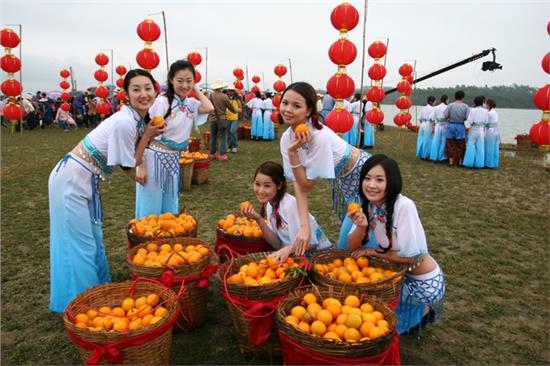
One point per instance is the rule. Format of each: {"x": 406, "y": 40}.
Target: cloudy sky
{"x": 260, "y": 34}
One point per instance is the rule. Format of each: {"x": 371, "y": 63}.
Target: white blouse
{"x": 439, "y": 112}
{"x": 427, "y": 113}
{"x": 492, "y": 116}
{"x": 267, "y": 104}
{"x": 319, "y": 157}
{"x": 478, "y": 116}
{"x": 255, "y": 103}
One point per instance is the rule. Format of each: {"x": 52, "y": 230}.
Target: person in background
{"x": 354, "y": 107}
{"x": 456, "y": 114}
{"x": 328, "y": 105}
{"x": 218, "y": 121}
{"x": 319, "y": 101}
{"x": 425, "y": 133}
{"x": 368, "y": 129}
{"x": 233, "y": 119}
{"x": 64, "y": 119}
{"x": 475, "y": 148}
{"x": 256, "y": 104}
{"x": 392, "y": 220}
{"x": 280, "y": 209}
{"x": 77, "y": 253}
{"x": 437, "y": 150}
{"x": 268, "y": 131}
{"x": 492, "y": 136}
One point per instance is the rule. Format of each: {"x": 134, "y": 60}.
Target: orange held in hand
{"x": 301, "y": 129}
{"x": 353, "y": 208}
{"x": 157, "y": 120}
{"x": 244, "y": 205}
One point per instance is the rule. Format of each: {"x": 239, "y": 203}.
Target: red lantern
{"x": 238, "y": 73}
{"x": 275, "y": 117}
{"x": 376, "y": 94}
{"x": 375, "y": 116}
{"x": 102, "y": 92}
{"x": 148, "y": 30}
{"x": 279, "y": 86}
{"x": 11, "y": 88}
{"x": 255, "y": 79}
{"x": 377, "y": 72}
{"x": 403, "y": 102}
{"x": 255, "y": 89}
{"x": 339, "y": 120}
{"x": 404, "y": 87}
{"x": 344, "y": 17}
{"x": 64, "y": 73}
{"x": 280, "y": 70}
{"x": 541, "y": 99}
{"x": 342, "y": 52}
{"x": 408, "y": 78}
{"x": 195, "y": 58}
{"x": 238, "y": 85}
{"x": 64, "y": 85}
{"x": 546, "y": 63}
{"x": 340, "y": 86}
{"x": 100, "y": 75}
{"x": 241, "y": 77}
{"x": 8, "y": 38}
{"x": 405, "y": 70}
{"x": 103, "y": 108}
{"x": 192, "y": 94}
{"x": 147, "y": 59}
{"x": 66, "y": 107}
{"x": 101, "y": 59}
{"x": 198, "y": 76}
{"x": 377, "y": 50}
{"x": 121, "y": 95}
{"x": 120, "y": 83}
{"x": 13, "y": 112}
{"x": 120, "y": 70}
{"x": 540, "y": 133}
{"x": 65, "y": 96}
{"x": 10, "y": 63}
{"x": 276, "y": 100}
{"x": 402, "y": 118}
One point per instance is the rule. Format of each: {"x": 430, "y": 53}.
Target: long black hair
{"x": 174, "y": 68}
{"x": 276, "y": 172}
{"x": 394, "y": 185}
{"x": 310, "y": 95}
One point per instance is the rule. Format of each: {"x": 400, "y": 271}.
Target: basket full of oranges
{"x": 370, "y": 275}
{"x": 163, "y": 226}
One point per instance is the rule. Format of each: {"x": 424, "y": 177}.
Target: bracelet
{"x": 296, "y": 166}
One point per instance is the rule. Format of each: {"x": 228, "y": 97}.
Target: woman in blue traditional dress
{"x": 157, "y": 190}
{"x": 268, "y": 127}
{"x": 393, "y": 221}
{"x": 368, "y": 129}
{"x": 318, "y": 154}
{"x": 492, "y": 137}
{"x": 354, "y": 107}
{"x": 77, "y": 254}
{"x": 474, "y": 157}
{"x": 256, "y": 128}
{"x": 425, "y": 132}
{"x": 437, "y": 149}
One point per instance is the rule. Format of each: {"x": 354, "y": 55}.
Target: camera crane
{"x": 486, "y": 66}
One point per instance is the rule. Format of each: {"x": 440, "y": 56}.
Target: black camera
{"x": 491, "y": 66}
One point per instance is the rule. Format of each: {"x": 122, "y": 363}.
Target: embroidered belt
{"x": 355, "y": 153}
{"x": 83, "y": 154}
{"x": 161, "y": 147}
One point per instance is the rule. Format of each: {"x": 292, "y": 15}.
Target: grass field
{"x": 488, "y": 229}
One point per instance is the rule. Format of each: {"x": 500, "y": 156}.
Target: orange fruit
{"x": 352, "y": 301}
{"x": 352, "y": 335}
{"x": 234, "y": 279}
{"x": 366, "y": 308}
{"x": 157, "y": 120}
{"x": 331, "y": 335}
{"x": 118, "y": 311}
{"x": 378, "y": 315}
{"x": 318, "y": 328}
{"x": 155, "y": 319}
{"x": 146, "y": 320}
{"x": 120, "y": 325}
{"x": 161, "y": 312}
{"x": 362, "y": 262}
{"x": 309, "y": 298}
{"x": 301, "y": 129}
{"x": 244, "y": 204}
{"x": 81, "y": 318}
{"x": 82, "y": 325}
{"x": 303, "y": 326}
{"x": 298, "y": 312}
{"x": 313, "y": 309}
{"x": 382, "y": 323}
{"x": 353, "y": 321}
{"x": 325, "y": 316}
{"x": 105, "y": 310}
{"x": 354, "y": 207}
{"x": 365, "y": 328}
{"x": 177, "y": 248}
{"x": 152, "y": 247}
{"x": 337, "y": 262}
{"x": 136, "y": 324}
{"x": 153, "y": 299}
{"x": 334, "y": 309}
{"x": 341, "y": 330}
{"x": 108, "y": 322}
{"x": 344, "y": 277}
{"x": 341, "y": 319}
{"x": 368, "y": 317}
{"x": 140, "y": 301}
{"x": 291, "y": 319}
{"x": 376, "y": 332}
{"x": 92, "y": 313}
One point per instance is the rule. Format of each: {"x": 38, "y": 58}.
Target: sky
{"x": 260, "y": 34}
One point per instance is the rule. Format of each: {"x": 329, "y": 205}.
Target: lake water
{"x": 511, "y": 122}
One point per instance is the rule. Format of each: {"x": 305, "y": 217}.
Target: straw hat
{"x": 230, "y": 87}
{"x": 218, "y": 85}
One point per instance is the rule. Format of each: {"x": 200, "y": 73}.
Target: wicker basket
{"x": 259, "y": 293}
{"x": 200, "y": 171}
{"x": 186, "y": 175}
{"x": 194, "y": 300}
{"x": 134, "y": 239}
{"x": 246, "y": 134}
{"x": 330, "y": 347}
{"x": 240, "y": 244}
{"x": 154, "y": 352}
{"x": 386, "y": 290}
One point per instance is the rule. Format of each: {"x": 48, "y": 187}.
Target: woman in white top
{"x": 492, "y": 136}
{"x": 425, "y": 132}
{"x": 318, "y": 154}
{"x": 256, "y": 104}
{"x": 437, "y": 149}
{"x": 157, "y": 190}
{"x": 281, "y": 211}
{"x": 474, "y": 157}
{"x": 399, "y": 236}
{"x": 354, "y": 107}
{"x": 77, "y": 254}
{"x": 268, "y": 127}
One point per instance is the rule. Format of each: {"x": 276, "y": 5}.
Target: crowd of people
{"x": 443, "y": 136}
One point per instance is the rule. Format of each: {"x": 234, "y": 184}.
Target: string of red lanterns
{"x": 64, "y": 85}
{"x": 149, "y": 32}
{"x": 120, "y": 93}
{"x": 343, "y": 52}
{"x": 238, "y": 73}
{"x": 404, "y": 102}
{"x": 11, "y": 64}
{"x": 195, "y": 58}
{"x": 540, "y": 132}
{"x": 103, "y": 108}
{"x": 255, "y": 79}
{"x": 279, "y": 86}
{"x": 376, "y": 94}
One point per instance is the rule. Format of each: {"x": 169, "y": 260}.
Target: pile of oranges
{"x": 240, "y": 226}
{"x": 193, "y": 155}
{"x": 351, "y": 322}
{"x": 265, "y": 271}
{"x": 351, "y": 270}
{"x": 132, "y": 314}
{"x": 166, "y": 225}
{"x": 154, "y": 255}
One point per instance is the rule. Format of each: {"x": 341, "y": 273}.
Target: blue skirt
{"x": 492, "y": 146}
{"x": 257, "y": 125}
{"x": 368, "y": 134}
{"x": 437, "y": 149}
{"x": 475, "y": 148}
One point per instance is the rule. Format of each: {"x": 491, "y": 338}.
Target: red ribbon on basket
{"x": 113, "y": 351}
{"x": 169, "y": 280}
{"x": 258, "y": 314}
{"x": 203, "y": 165}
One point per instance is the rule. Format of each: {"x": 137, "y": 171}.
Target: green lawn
{"x": 488, "y": 229}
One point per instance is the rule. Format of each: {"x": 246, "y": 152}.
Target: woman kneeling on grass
{"x": 281, "y": 210}
{"x": 399, "y": 235}
{"x": 77, "y": 254}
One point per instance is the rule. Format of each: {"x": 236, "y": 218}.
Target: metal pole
{"x": 206, "y": 71}
{"x": 263, "y": 80}
{"x": 290, "y": 67}
{"x": 112, "y": 73}
{"x": 73, "y": 82}
{"x": 385, "y": 58}
{"x": 247, "y": 82}
{"x": 165, "y": 42}
{"x": 416, "y": 104}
